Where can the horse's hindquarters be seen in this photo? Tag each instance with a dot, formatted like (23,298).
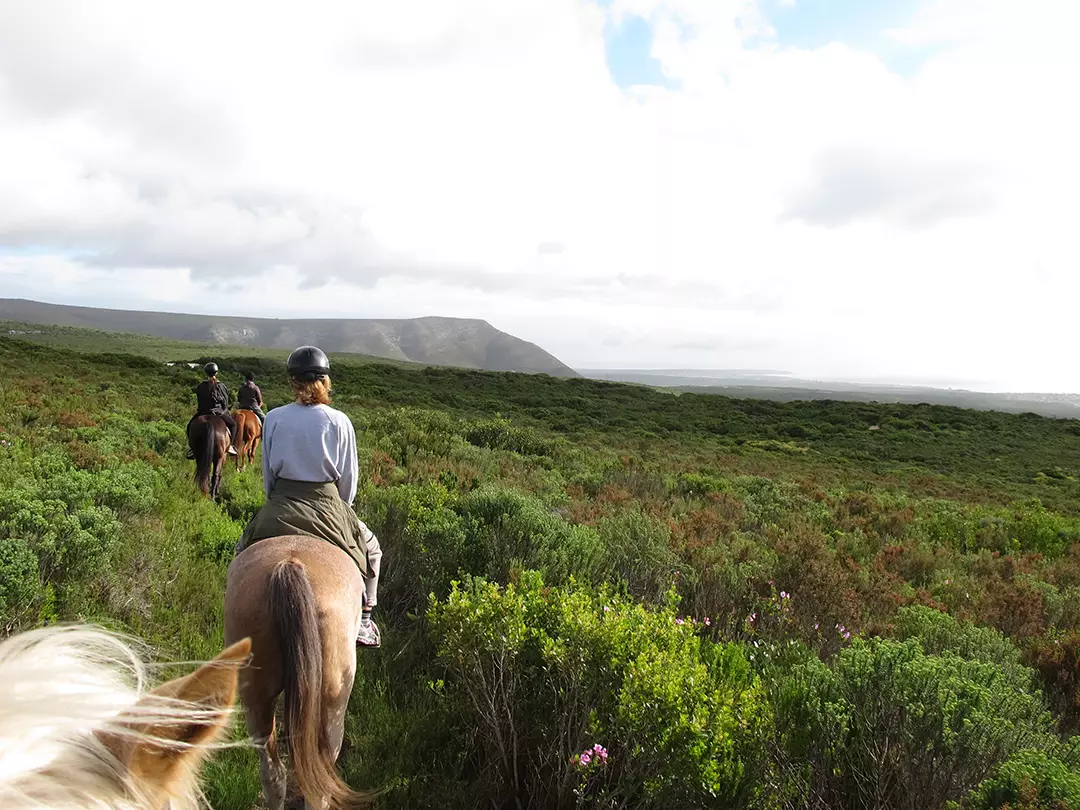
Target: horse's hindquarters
(335,581)
(299,599)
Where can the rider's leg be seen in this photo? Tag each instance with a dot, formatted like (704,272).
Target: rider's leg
(369,634)
(227,418)
(190,452)
(255,409)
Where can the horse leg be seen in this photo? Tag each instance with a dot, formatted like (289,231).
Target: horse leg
(259,716)
(215,479)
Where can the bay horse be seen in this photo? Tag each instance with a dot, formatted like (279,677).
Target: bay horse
(208,438)
(80,729)
(248,436)
(299,600)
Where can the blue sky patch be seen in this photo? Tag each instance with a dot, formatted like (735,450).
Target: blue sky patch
(628,46)
(809,24)
(858,24)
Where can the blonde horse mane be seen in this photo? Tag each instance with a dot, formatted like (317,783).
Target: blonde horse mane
(80,728)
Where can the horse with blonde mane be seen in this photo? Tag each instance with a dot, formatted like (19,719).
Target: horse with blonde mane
(81,729)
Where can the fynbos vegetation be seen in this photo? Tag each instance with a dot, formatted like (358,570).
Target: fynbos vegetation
(598,595)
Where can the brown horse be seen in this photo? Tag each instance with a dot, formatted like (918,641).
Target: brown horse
(208,438)
(248,436)
(299,600)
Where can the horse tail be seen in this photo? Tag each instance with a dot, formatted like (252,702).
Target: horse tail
(295,619)
(204,455)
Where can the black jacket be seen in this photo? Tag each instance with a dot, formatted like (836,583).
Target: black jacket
(213,397)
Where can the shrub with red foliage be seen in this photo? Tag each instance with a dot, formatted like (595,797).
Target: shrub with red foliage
(1057,660)
(73,419)
(704,527)
(1015,607)
(824,585)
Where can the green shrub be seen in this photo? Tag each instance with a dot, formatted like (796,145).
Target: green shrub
(214,536)
(422,539)
(509,530)
(544,674)
(636,550)
(939,633)
(1029,780)
(19,583)
(403,432)
(887,725)
(1035,528)
(500,434)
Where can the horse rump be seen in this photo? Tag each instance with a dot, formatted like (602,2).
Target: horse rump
(295,618)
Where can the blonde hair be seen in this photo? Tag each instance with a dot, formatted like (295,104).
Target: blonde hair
(311,392)
(74,706)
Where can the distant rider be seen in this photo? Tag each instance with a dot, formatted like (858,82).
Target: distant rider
(249,397)
(310,473)
(213,398)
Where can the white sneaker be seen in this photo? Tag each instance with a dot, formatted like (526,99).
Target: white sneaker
(369,635)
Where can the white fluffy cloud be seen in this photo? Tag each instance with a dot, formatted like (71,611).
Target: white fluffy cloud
(808,210)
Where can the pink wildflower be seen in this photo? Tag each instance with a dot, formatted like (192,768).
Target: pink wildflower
(585,758)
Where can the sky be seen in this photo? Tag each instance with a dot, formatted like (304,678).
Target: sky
(838,189)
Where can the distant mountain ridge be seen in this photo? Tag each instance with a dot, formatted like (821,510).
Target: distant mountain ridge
(775,385)
(464,342)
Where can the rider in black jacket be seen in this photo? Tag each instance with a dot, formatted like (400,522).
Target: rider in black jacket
(213,398)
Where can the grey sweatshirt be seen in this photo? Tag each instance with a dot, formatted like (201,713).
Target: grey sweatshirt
(310,443)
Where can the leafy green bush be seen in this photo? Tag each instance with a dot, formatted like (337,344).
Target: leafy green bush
(1035,528)
(500,434)
(636,550)
(403,432)
(887,725)
(1028,780)
(548,677)
(939,633)
(422,539)
(214,536)
(19,583)
(509,530)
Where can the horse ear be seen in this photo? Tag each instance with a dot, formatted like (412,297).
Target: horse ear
(166,754)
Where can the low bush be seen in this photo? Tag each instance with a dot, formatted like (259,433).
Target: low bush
(577,697)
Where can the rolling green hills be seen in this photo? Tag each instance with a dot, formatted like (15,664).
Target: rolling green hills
(745,603)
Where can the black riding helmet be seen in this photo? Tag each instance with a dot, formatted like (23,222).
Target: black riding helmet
(211,369)
(308,363)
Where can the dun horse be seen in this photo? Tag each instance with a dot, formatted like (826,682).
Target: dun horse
(299,599)
(248,436)
(79,729)
(208,437)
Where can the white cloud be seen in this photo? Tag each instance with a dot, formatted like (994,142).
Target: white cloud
(776,207)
